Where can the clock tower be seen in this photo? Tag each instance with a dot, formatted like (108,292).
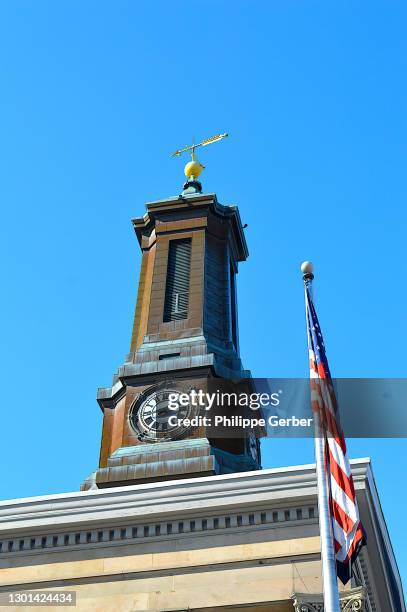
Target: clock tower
(184,339)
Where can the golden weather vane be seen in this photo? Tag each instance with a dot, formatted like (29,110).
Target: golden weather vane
(194,168)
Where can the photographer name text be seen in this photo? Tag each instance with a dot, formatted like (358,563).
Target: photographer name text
(239,421)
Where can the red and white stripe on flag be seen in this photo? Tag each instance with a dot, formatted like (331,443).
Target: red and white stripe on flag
(347,528)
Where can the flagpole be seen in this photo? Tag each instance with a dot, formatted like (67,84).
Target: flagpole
(328,562)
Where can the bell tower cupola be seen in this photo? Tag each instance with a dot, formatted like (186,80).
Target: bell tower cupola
(186,308)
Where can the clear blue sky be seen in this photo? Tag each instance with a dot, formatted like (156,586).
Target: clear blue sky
(94,97)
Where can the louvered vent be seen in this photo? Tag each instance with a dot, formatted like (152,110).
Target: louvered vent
(177,284)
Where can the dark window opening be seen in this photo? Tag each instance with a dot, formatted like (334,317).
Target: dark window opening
(169,356)
(177,283)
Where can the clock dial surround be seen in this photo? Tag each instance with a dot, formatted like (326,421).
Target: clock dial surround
(150,416)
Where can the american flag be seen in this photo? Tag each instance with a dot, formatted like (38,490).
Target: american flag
(347,529)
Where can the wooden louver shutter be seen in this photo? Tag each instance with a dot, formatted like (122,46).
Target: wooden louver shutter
(177,283)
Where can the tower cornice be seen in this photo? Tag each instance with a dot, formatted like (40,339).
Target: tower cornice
(181,204)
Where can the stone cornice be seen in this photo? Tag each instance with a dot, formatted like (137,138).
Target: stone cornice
(275,487)
(186,202)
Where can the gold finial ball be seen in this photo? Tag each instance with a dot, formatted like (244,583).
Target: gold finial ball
(193,169)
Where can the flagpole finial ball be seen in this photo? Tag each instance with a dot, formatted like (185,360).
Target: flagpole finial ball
(307,267)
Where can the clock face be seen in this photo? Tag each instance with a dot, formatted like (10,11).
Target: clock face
(154,421)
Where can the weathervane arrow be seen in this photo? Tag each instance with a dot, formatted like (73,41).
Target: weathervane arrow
(194,167)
